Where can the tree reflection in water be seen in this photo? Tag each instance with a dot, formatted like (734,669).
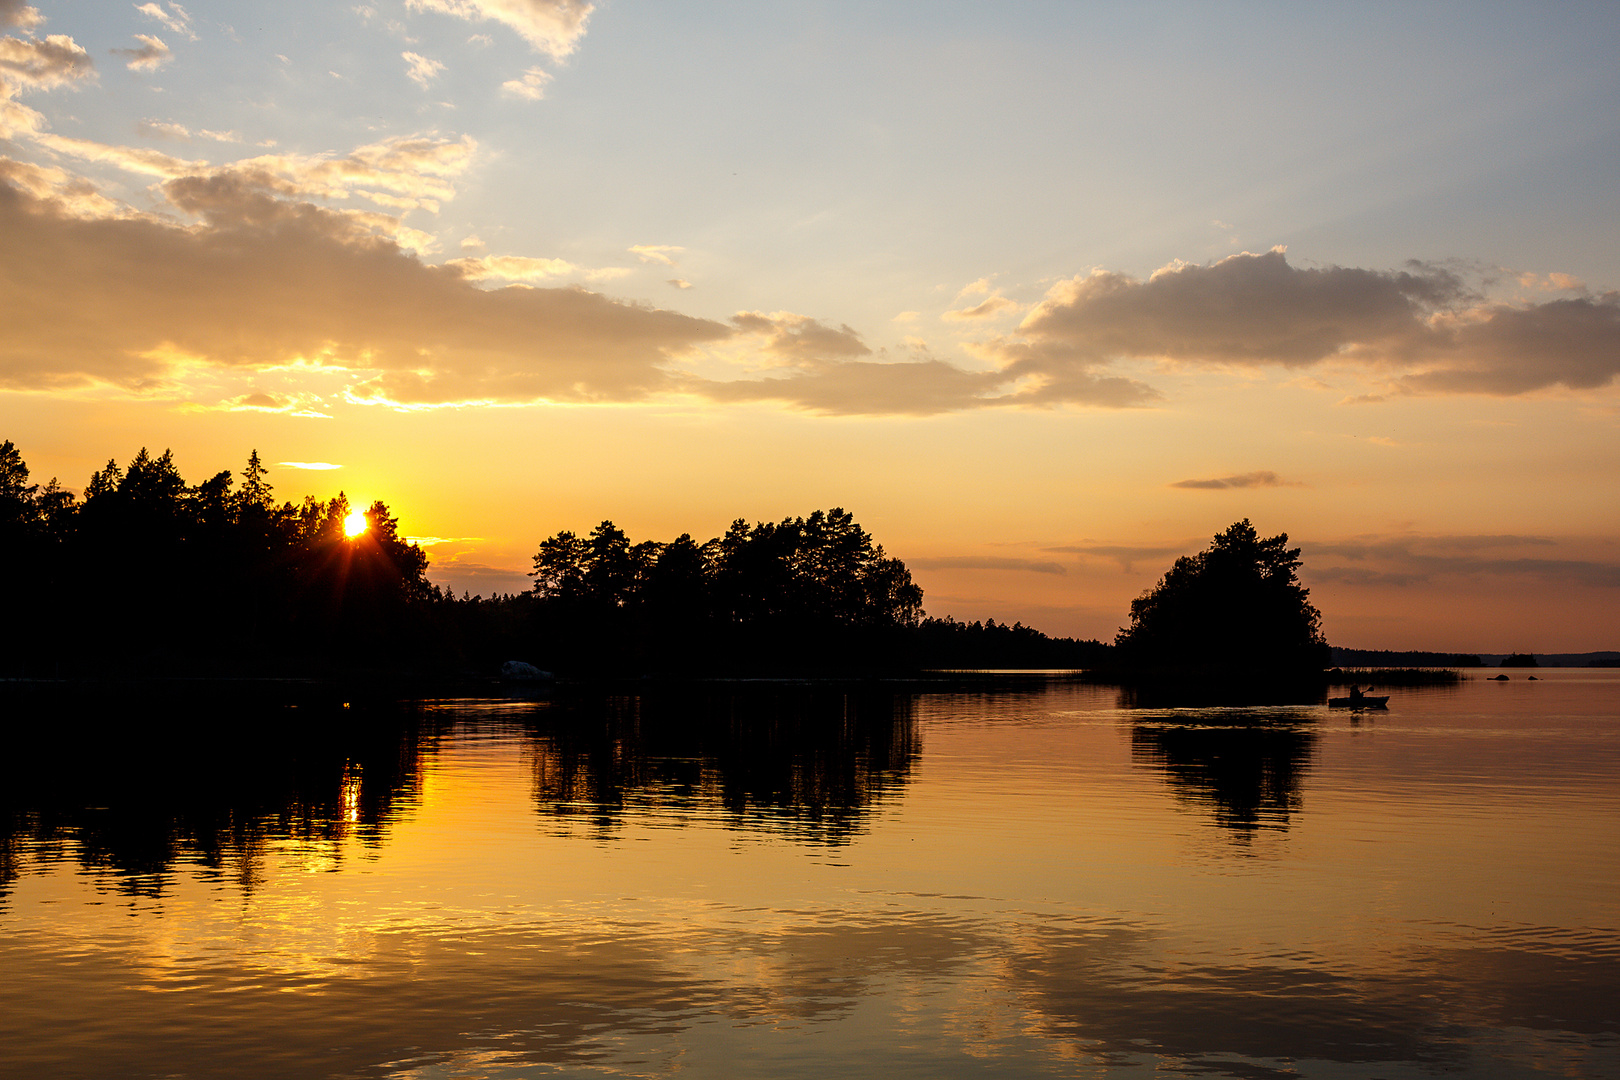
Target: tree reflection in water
(1245,767)
(810,763)
(130,791)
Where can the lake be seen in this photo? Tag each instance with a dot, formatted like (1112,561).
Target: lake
(799,881)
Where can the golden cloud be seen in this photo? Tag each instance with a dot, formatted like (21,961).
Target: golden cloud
(266,282)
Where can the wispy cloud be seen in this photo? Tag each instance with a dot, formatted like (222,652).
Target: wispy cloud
(553,27)
(419,69)
(1408,560)
(152,54)
(1264,478)
(531,85)
(1127,556)
(991,307)
(176,18)
(527,268)
(315,466)
(974,562)
(656,253)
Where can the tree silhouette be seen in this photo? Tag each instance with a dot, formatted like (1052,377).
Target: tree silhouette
(1236,605)
(801,593)
(150,575)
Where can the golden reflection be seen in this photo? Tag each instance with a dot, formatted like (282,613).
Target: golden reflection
(349,800)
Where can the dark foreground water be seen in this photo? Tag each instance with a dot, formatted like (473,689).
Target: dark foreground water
(796,883)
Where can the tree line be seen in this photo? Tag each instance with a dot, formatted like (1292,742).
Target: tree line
(148,574)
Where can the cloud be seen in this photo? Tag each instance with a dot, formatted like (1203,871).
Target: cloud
(799,338)
(267,283)
(317,466)
(457,574)
(152,54)
(656,253)
(1244,480)
(532,86)
(513,268)
(176,18)
(822,369)
(970,562)
(420,69)
(304,405)
(27,64)
(133,159)
(1423,326)
(69,195)
(854,388)
(1406,560)
(981,287)
(1127,556)
(525,268)
(18,14)
(162,129)
(402,173)
(1554,282)
(989,308)
(553,27)
(57,60)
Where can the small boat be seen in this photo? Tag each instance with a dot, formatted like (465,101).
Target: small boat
(1363,702)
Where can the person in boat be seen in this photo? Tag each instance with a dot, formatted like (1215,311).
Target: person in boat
(1355,692)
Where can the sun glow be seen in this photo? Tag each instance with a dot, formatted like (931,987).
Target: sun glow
(354,524)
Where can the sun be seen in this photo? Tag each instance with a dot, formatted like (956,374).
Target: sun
(354,524)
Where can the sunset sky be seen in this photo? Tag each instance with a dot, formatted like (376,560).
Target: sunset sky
(1045,293)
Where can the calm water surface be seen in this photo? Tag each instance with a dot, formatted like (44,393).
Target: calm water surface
(776,882)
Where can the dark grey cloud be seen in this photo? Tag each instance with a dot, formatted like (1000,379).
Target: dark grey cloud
(1264,478)
(1125,555)
(917,388)
(1401,560)
(974,562)
(1422,327)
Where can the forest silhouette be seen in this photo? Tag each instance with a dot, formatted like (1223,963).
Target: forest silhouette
(147,575)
